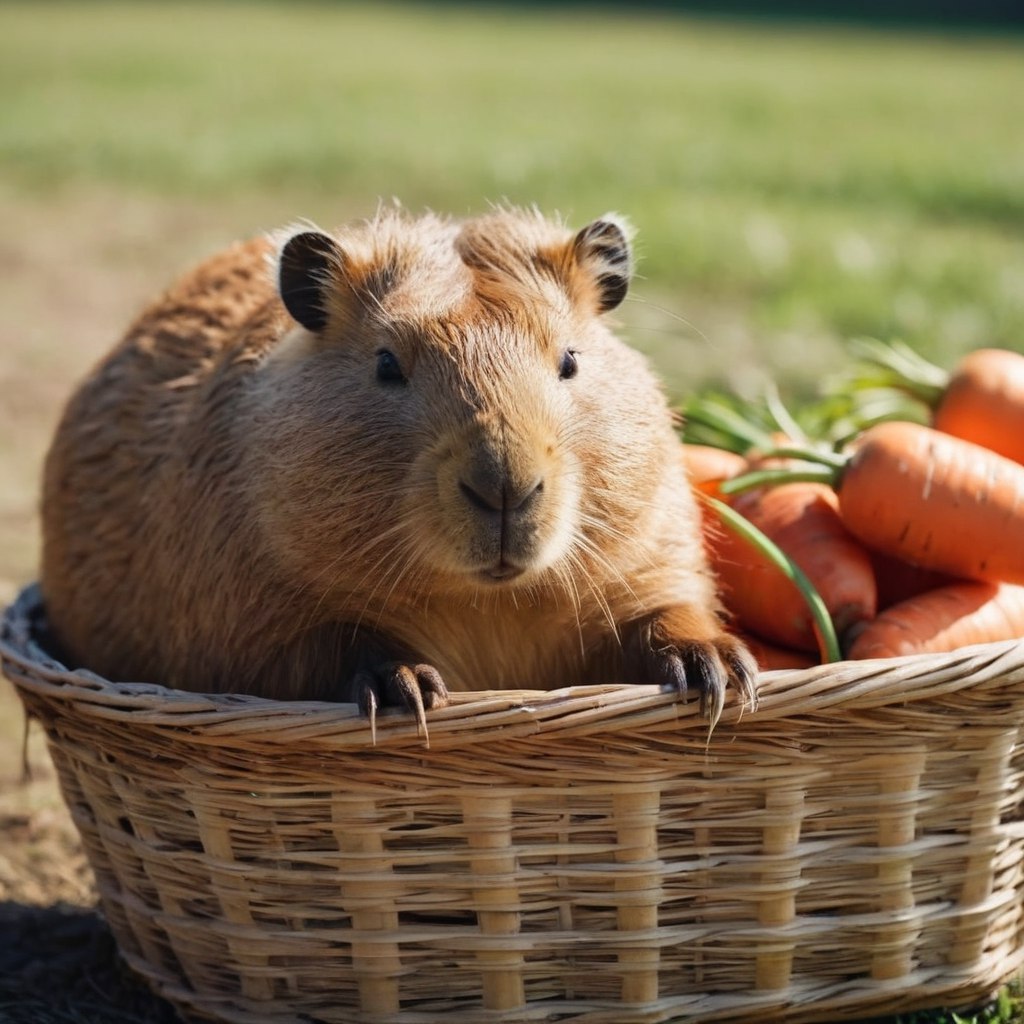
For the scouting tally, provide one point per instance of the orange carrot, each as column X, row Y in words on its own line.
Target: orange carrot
column 802, row 520
column 926, row 498
column 983, row 402
column 770, row 656
column 897, row 580
column 936, row 501
column 723, row 524
column 708, row 466
column 944, row 619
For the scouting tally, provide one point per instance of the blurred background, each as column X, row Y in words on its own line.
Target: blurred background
column 799, row 174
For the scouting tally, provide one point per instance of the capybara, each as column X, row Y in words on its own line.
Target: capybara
column 378, row 465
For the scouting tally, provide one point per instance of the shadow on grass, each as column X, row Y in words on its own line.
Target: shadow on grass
column 59, row 965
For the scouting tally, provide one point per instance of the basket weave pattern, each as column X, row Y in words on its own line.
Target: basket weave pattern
column 854, row 847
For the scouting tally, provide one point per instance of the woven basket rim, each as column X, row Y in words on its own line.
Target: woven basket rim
column 479, row 716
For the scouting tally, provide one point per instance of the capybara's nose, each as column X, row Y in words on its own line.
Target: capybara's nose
column 499, row 493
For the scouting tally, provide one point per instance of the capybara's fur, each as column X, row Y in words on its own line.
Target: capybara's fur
column 406, row 458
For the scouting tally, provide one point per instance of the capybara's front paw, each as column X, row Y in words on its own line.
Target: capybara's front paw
column 397, row 684
column 678, row 650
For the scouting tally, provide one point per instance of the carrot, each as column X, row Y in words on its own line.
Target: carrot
column 755, row 545
column 707, row 466
column 897, row 580
column 770, row 656
column 984, row 402
column 936, row 501
column 981, row 400
column 801, row 518
column 926, row 498
column 944, row 619
column 760, row 599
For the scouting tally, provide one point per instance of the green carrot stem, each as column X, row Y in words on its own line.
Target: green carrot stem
column 730, row 423
column 834, row 460
column 742, row 527
column 903, row 368
column 773, row 477
column 871, row 415
column 783, row 419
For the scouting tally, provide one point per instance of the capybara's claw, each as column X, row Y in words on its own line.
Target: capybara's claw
column 708, row 666
column 415, row 688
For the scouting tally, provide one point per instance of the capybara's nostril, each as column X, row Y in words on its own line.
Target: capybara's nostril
column 481, row 497
column 502, row 496
column 517, row 497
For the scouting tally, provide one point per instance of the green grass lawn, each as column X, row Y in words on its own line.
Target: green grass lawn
column 814, row 184
column 791, row 187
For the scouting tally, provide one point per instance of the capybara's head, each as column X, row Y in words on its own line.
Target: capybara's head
column 451, row 393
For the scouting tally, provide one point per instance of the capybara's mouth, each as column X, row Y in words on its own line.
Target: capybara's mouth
column 502, row 572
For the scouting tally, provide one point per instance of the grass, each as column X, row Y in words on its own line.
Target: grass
column 824, row 183
column 791, row 187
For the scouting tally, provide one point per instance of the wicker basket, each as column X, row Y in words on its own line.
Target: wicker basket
column 852, row 848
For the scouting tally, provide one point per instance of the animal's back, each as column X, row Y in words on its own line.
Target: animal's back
column 123, row 519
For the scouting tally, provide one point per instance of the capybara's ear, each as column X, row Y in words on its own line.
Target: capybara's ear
column 308, row 262
column 603, row 253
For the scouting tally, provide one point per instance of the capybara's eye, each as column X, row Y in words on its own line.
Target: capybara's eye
column 389, row 370
column 569, row 365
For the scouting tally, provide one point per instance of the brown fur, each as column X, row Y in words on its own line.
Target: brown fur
column 234, row 502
